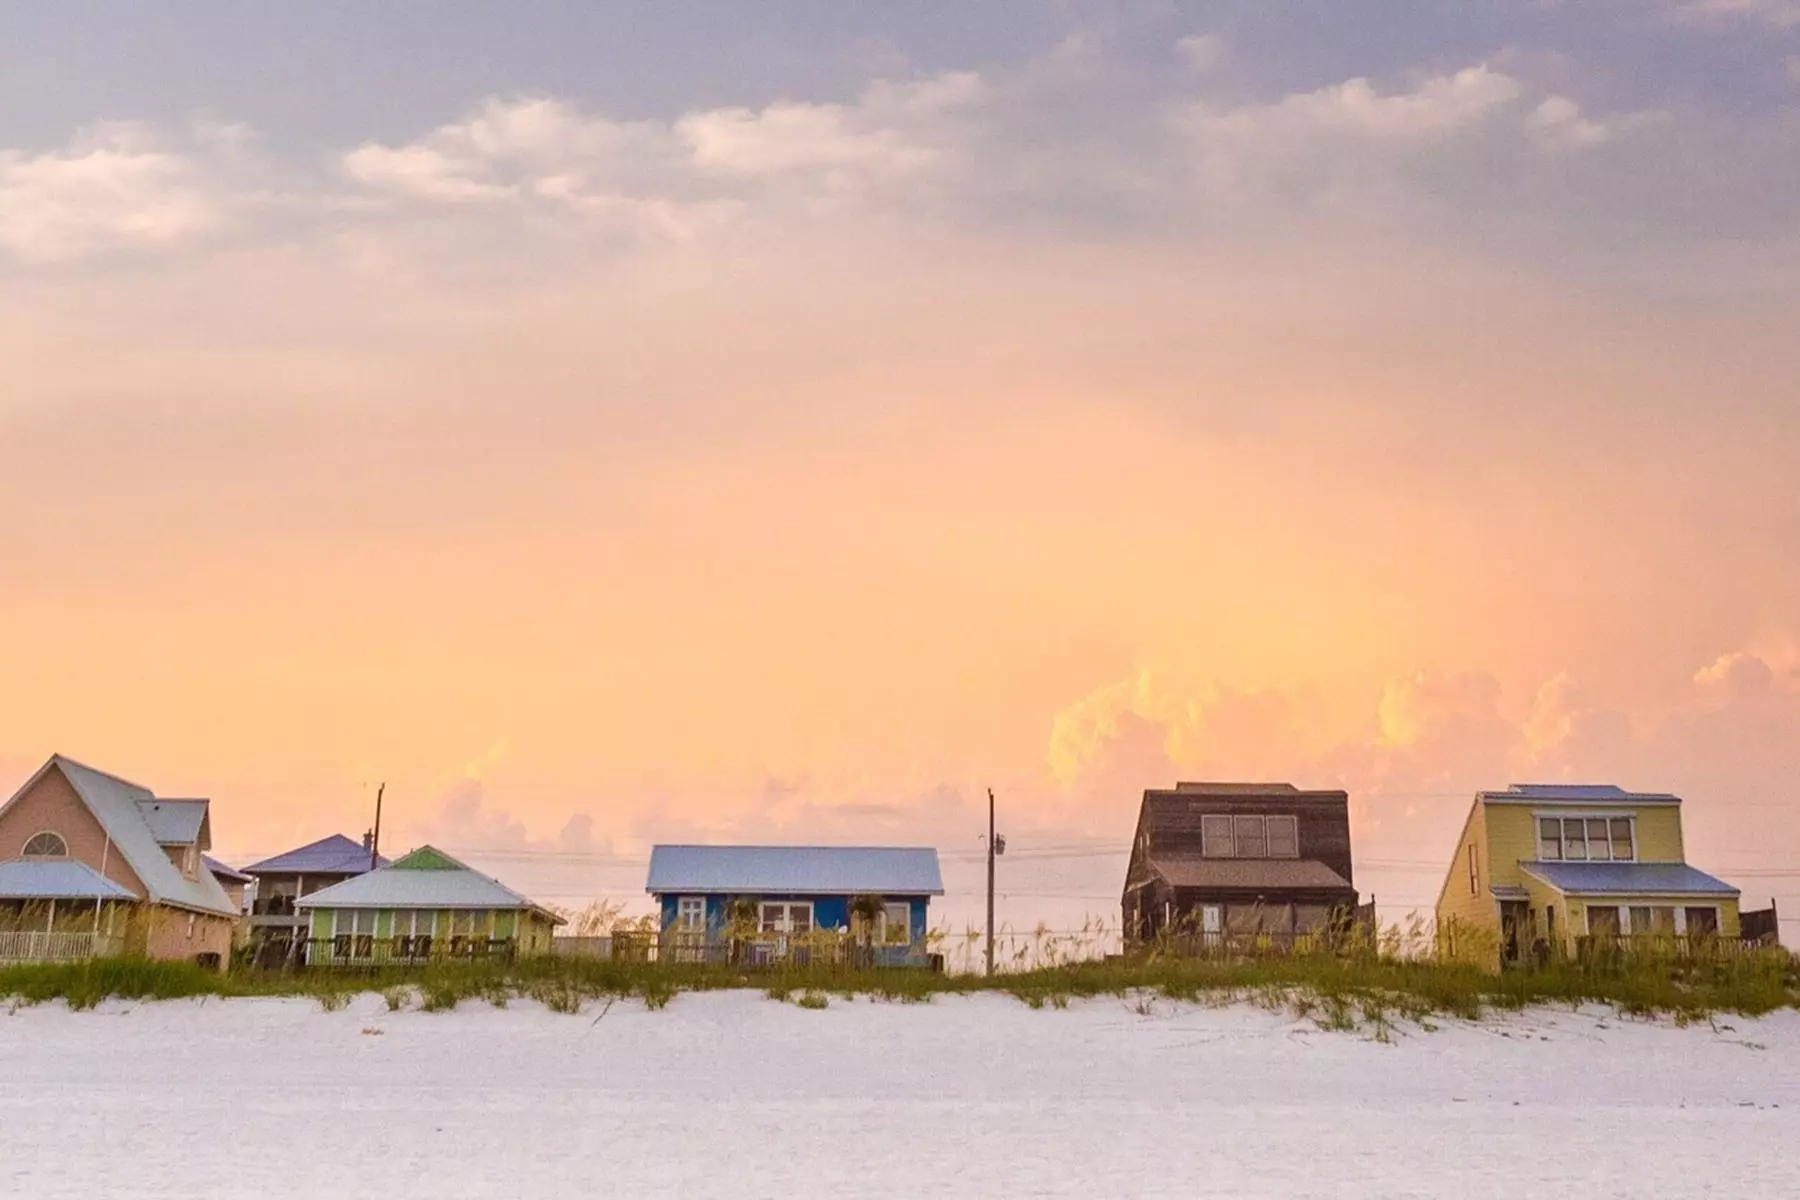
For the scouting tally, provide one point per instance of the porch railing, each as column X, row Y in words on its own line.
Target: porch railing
column 361, row 951
column 57, row 947
column 759, row 951
column 1602, row 949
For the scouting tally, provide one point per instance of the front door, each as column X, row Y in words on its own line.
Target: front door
column 1212, row 921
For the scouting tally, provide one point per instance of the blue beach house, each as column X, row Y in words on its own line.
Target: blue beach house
column 709, row 893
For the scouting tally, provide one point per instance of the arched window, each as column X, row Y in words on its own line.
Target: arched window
column 45, row 845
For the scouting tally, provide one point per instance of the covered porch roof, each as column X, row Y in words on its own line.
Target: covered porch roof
column 1627, row 879
column 56, row 879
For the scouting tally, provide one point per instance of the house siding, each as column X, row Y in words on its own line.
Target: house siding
column 829, row 912
column 166, row 934
column 1461, row 913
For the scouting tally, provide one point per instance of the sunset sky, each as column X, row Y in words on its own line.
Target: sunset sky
column 612, row 423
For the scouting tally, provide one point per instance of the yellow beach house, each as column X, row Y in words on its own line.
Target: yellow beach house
column 1541, row 870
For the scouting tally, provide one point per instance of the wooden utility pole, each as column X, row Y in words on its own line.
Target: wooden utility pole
column 996, row 846
column 375, row 835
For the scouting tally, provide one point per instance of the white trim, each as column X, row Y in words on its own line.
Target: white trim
column 683, row 913
column 63, row 857
column 1607, row 815
column 784, row 923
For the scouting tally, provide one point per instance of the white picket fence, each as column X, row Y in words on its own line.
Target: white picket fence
column 56, row 947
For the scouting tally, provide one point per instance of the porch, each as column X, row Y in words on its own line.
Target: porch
column 41, row 947
column 821, row 948
column 59, row 910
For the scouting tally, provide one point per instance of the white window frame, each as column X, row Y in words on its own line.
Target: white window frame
column 192, row 919
column 60, row 839
column 895, row 912
column 1538, row 817
column 1474, row 871
column 690, row 913
column 784, row 924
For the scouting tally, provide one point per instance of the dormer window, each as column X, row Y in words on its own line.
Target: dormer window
column 1586, row 839
column 1239, row 836
column 45, row 845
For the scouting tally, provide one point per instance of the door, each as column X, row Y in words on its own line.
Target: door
column 1212, row 922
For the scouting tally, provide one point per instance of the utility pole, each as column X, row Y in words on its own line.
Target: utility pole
column 375, row 836
column 996, row 846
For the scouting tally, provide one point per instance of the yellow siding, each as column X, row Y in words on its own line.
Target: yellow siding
column 1729, row 926
column 1512, row 833
column 1659, row 834
column 1461, row 911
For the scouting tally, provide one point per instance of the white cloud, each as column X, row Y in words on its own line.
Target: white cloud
column 1201, row 51
column 1354, row 109
column 1559, row 121
column 116, row 186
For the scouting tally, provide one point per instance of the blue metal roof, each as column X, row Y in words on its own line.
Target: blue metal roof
column 334, row 855
column 1594, row 792
column 1628, row 879
column 56, row 879
column 795, row 870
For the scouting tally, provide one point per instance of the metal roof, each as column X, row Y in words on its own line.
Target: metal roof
column 1508, row 891
column 1628, row 879
column 399, row 885
column 1247, row 874
column 795, row 870
column 175, row 822
column 334, row 855
column 222, row 871
column 1590, row 793
column 56, row 879
column 117, row 804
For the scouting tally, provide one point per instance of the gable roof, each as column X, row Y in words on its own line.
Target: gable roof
column 1628, row 879
column 334, row 855
column 176, row 822
column 222, row 871
column 117, row 804
column 56, row 879
column 1258, row 874
column 426, row 878
column 795, row 870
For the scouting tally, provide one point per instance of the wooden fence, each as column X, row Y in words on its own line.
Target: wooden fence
column 821, row 948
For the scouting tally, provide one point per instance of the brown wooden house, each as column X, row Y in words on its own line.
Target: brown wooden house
column 1216, row 862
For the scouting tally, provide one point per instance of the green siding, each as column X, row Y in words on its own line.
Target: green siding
column 503, row 924
column 425, row 858
column 384, row 924
column 321, row 923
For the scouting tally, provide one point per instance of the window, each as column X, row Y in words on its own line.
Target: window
column 190, row 929
column 1284, row 837
column 896, row 924
column 1474, row 872
column 781, row 916
column 690, row 913
column 1251, row 837
column 1603, row 920
column 1702, row 922
column 1311, row 918
column 1550, row 846
column 1215, row 837
column 1224, row 836
column 1640, row 920
column 1662, row 920
column 45, row 845
column 355, row 933
column 1589, row 839
column 1622, row 847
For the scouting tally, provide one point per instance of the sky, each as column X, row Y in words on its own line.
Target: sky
column 607, row 424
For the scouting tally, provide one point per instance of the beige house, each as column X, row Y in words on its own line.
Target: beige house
column 94, row 865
